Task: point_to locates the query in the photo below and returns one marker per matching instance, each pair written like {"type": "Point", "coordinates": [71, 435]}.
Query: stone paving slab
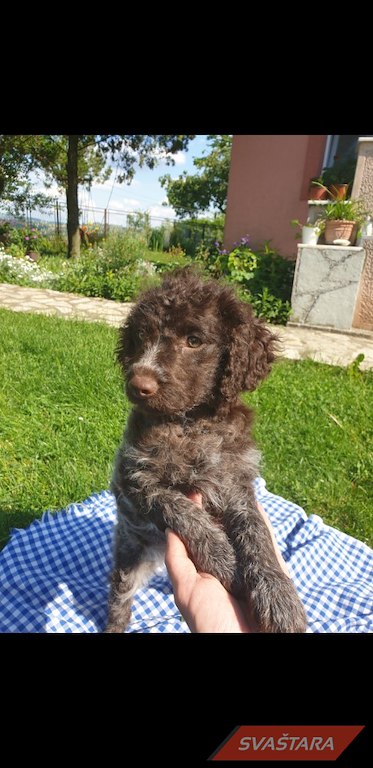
{"type": "Point", "coordinates": [325, 346]}
{"type": "Point", "coordinates": [47, 302]}
{"type": "Point", "coordinates": [296, 342]}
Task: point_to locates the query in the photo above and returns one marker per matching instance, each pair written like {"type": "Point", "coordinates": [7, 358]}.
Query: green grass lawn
{"type": "Point", "coordinates": [63, 411]}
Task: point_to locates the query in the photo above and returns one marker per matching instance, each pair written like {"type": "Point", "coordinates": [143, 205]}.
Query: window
{"type": "Point", "coordinates": [340, 148]}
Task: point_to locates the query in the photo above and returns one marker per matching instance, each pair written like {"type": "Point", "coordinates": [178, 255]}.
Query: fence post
{"type": "Point", "coordinates": [105, 222]}
{"type": "Point", "coordinates": [57, 219]}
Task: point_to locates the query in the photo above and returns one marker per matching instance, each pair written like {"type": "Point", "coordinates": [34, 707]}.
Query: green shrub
{"type": "Point", "coordinates": [113, 272]}
{"type": "Point", "coordinates": [5, 233]}
{"type": "Point", "coordinates": [263, 277]}
{"type": "Point", "coordinates": [190, 234]}
{"type": "Point", "coordinates": [55, 245]}
{"type": "Point", "coordinates": [122, 247]}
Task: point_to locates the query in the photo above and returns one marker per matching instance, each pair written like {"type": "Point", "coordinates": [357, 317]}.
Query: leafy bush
{"type": "Point", "coordinates": [55, 245]}
{"type": "Point", "coordinates": [159, 238]}
{"type": "Point", "coordinates": [263, 277]}
{"type": "Point", "coordinates": [190, 234]}
{"type": "Point", "coordinates": [126, 246]}
{"type": "Point", "coordinates": [95, 275]}
{"type": "Point", "coordinates": [5, 233]}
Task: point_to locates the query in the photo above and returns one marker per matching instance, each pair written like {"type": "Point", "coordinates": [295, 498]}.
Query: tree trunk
{"type": "Point", "coordinates": [73, 233]}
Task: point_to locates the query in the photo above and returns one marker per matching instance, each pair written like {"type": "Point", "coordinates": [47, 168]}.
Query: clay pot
{"type": "Point", "coordinates": [339, 229]}
{"type": "Point", "coordinates": [339, 191]}
{"type": "Point", "coordinates": [317, 193]}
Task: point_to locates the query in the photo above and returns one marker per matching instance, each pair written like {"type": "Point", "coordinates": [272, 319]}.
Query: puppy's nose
{"type": "Point", "coordinates": [143, 386]}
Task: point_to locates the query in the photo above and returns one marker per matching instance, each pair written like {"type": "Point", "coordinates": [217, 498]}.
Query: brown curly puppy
{"type": "Point", "coordinates": [187, 350]}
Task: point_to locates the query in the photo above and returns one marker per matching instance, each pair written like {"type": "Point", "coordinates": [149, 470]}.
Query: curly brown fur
{"type": "Point", "coordinates": [188, 349]}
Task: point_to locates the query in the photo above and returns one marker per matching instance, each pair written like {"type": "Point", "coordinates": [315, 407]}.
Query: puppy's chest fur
{"type": "Point", "coordinates": [200, 455]}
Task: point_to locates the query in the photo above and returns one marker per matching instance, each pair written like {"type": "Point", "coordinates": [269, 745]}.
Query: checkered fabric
{"type": "Point", "coordinates": [54, 575]}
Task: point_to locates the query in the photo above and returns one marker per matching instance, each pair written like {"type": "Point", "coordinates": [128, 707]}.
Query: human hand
{"type": "Point", "coordinates": [203, 601]}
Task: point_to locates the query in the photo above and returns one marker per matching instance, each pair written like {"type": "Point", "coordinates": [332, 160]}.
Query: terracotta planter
{"type": "Point", "coordinates": [317, 193]}
{"type": "Point", "coordinates": [339, 191]}
{"type": "Point", "coordinates": [339, 229]}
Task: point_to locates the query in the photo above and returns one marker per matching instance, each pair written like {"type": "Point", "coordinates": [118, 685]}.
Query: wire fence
{"type": "Point", "coordinates": [55, 217]}
{"type": "Point", "coordinates": [97, 223]}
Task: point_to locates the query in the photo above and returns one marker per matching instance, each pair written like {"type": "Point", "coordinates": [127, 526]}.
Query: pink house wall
{"type": "Point", "coordinates": [268, 187]}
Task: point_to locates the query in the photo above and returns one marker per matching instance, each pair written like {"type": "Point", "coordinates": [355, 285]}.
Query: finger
{"type": "Point", "coordinates": [178, 564]}
{"type": "Point", "coordinates": [274, 542]}
{"type": "Point", "coordinates": [195, 496]}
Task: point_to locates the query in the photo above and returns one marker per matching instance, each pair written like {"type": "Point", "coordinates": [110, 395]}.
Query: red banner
{"type": "Point", "coordinates": [287, 742]}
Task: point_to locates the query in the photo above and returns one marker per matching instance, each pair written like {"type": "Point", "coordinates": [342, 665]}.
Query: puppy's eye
{"type": "Point", "coordinates": [194, 341]}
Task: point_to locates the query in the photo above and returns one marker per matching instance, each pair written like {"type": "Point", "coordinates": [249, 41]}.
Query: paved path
{"type": "Point", "coordinates": [322, 345]}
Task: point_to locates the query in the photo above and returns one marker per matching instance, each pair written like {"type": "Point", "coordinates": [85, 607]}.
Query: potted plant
{"type": "Point", "coordinates": [339, 178]}
{"type": "Point", "coordinates": [318, 189]}
{"type": "Point", "coordinates": [342, 219]}
{"type": "Point", "coordinates": [309, 232]}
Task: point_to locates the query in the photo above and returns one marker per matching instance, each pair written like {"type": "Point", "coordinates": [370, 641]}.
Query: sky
{"type": "Point", "coordinates": [143, 194]}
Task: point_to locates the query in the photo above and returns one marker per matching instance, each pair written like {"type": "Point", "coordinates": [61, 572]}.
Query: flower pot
{"type": "Point", "coordinates": [339, 229]}
{"type": "Point", "coordinates": [339, 191]}
{"type": "Point", "coordinates": [310, 235]}
{"type": "Point", "coordinates": [317, 193]}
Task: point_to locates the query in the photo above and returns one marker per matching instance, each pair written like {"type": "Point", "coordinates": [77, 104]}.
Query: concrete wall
{"type": "Point", "coordinates": [363, 189]}
{"type": "Point", "coordinates": [268, 187]}
{"type": "Point", "coordinates": [326, 285]}
{"type": "Point", "coordinates": [363, 317]}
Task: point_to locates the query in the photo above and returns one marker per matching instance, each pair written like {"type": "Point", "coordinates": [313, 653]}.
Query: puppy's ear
{"type": "Point", "coordinates": [250, 354]}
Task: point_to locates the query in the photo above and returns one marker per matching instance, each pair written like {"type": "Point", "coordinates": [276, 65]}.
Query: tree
{"type": "Point", "coordinates": [70, 160]}
{"type": "Point", "coordinates": [190, 195]}
{"type": "Point", "coordinates": [16, 163]}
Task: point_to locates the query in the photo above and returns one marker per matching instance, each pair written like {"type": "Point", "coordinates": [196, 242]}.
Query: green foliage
{"type": "Point", "coordinates": [342, 172]}
{"type": "Point", "coordinates": [264, 277]}
{"type": "Point", "coordinates": [193, 194]}
{"type": "Point", "coordinates": [271, 308]}
{"type": "Point", "coordinates": [122, 264]}
{"type": "Point", "coordinates": [18, 241]}
{"type": "Point", "coordinates": [96, 274]}
{"type": "Point", "coordinates": [117, 270]}
{"type": "Point", "coordinates": [139, 221]}
{"type": "Point", "coordinates": [348, 210]}
{"type": "Point", "coordinates": [194, 234]}
{"type": "Point", "coordinates": [5, 233]}
{"type": "Point", "coordinates": [54, 245]}
{"type": "Point", "coordinates": [354, 368]}
{"type": "Point", "coordinates": [16, 163]}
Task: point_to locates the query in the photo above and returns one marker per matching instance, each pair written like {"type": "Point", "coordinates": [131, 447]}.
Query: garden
{"type": "Point", "coordinates": [119, 266]}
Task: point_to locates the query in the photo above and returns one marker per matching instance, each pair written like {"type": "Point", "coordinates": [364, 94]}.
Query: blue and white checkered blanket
{"type": "Point", "coordinates": [54, 576]}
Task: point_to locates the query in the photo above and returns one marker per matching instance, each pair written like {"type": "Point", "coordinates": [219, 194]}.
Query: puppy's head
{"type": "Point", "coordinates": [191, 342]}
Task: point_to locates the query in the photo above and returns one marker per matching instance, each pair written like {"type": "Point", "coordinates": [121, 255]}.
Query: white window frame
{"type": "Point", "coordinates": [330, 150]}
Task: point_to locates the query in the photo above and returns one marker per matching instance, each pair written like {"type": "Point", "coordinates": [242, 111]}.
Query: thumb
{"type": "Point", "coordinates": [178, 563]}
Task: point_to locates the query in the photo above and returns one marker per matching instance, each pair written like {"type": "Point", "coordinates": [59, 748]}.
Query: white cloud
{"type": "Point", "coordinates": [163, 212]}
{"type": "Point", "coordinates": [104, 184]}
{"type": "Point", "coordinates": [180, 158]}
{"type": "Point", "coordinates": [125, 203]}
